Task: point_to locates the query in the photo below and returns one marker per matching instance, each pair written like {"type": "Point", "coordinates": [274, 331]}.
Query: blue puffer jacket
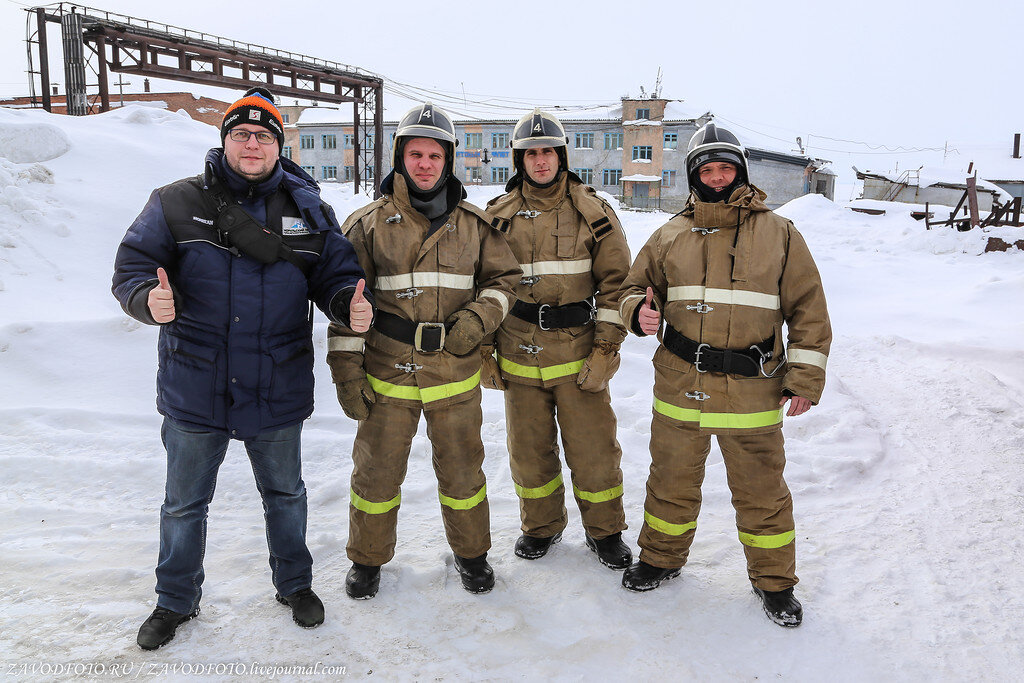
{"type": "Point", "coordinates": [238, 357]}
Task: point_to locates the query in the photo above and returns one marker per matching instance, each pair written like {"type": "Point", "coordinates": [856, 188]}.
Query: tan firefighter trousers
{"type": "Point", "coordinates": [592, 453]}
{"type": "Point", "coordinates": [380, 455]}
{"type": "Point", "coordinates": [763, 504]}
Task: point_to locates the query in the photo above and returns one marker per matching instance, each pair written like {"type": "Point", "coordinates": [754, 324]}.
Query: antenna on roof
{"type": "Point", "coordinates": [657, 86]}
{"type": "Point", "coordinates": [643, 94]}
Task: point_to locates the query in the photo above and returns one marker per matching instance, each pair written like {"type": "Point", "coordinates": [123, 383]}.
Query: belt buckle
{"type": "Point", "coordinates": [418, 337]}
{"type": "Point", "coordinates": [540, 316]}
{"type": "Point", "coordinates": [696, 356]}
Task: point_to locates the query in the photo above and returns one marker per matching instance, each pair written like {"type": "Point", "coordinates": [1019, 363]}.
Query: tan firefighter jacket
{"type": "Point", "coordinates": [729, 274]}
{"type": "Point", "coordinates": [464, 264]}
{"type": "Point", "coordinates": [570, 247]}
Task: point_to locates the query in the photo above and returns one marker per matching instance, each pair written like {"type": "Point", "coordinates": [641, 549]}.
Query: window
{"type": "Point", "coordinates": [286, 152]}
{"type": "Point", "coordinates": [474, 140]}
{"type": "Point", "coordinates": [643, 114]}
{"type": "Point", "coordinates": [641, 152]}
{"type": "Point", "coordinates": [310, 170]}
{"type": "Point", "coordinates": [329, 173]}
{"type": "Point", "coordinates": [611, 176]}
{"type": "Point", "coordinates": [348, 140]}
{"type": "Point", "coordinates": [585, 174]}
{"type": "Point", "coordinates": [369, 141]}
{"type": "Point", "coordinates": [613, 140]}
{"type": "Point", "coordinates": [671, 140]}
{"type": "Point", "coordinates": [668, 178]}
{"type": "Point", "coordinates": [350, 173]}
{"type": "Point", "coordinates": [473, 173]}
{"type": "Point", "coordinates": [329, 141]}
{"type": "Point", "coordinates": [284, 118]}
{"type": "Point", "coordinates": [584, 140]}
{"type": "Point", "coordinates": [499, 140]}
{"type": "Point", "coordinates": [821, 187]}
{"type": "Point", "coordinates": [368, 172]}
{"type": "Point", "coordinates": [499, 174]}
{"type": "Point", "coordinates": [305, 142]}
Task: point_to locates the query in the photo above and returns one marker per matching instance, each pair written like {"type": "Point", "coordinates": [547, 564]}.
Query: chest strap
{"type": "Point", "coordinates": [548, 317]}
{"type": "Point", "coordinates": [706, 358]}
{"type": "Point", "coordinates": [425, 337]}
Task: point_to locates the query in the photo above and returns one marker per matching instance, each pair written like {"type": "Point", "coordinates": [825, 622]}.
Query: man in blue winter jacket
{"type": "Point", "coordinates": [227, 264]}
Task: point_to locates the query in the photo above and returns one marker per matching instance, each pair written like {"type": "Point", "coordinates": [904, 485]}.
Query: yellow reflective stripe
{"type": "Point", "coordinates": [741, 420]}
{"type": "Point", "coordinates": [775, 541]}
{"type": "Point", "coordinates": [609, 316]}
{"type": "Point", "coordinates": [424, 279]}
{"type": "Point", "coordinates": [427, 394]}
{"type": "Point", "coordinates": [344, 344]}
{"type": "Point", "coordinates": [719, 420]}
{"type": "Point", "coordinates": [463, 503]}
{"type": "Point", "coordinates": [533, 372]}
{"type": "Point", "coordinates": [807, 357]}
{"type": "Point", "coordinates": [675, 412]}
{"type": "Point", "coordinates": [540, 491]}
{"type": "Point", "coordinates": [733, 297]}
{"type": "Point", "coordinates": [498, 296]}
{"type": "Point", "coordinates": [599, 496]}
{"type": "Point", "coordinates": [374, 508]}
{"type": "Point", "coordinates": [667, 527]}
{"type": "Point", "coordinates": [557, 267]}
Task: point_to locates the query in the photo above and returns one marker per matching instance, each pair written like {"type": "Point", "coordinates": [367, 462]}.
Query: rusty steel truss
{"type": "Point", "coordinates": [124, 44]}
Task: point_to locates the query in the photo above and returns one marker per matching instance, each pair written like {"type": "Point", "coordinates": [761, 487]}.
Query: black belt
{"type": "Point", "coordinates": [548, 317]}
{"type": "Point", "coordinates": [424, 336]}
{"type": "Point", "coordinates": [707, 358]}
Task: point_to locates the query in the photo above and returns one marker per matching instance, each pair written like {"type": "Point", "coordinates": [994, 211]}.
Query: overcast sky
{"type": "Point", "coordinates": [885, 74]}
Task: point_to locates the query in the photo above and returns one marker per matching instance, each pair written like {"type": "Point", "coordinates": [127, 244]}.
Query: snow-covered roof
{"type": "Point", "coordinates": [324, 115]}
{"type": "Point", "coordinates": [641, 178]}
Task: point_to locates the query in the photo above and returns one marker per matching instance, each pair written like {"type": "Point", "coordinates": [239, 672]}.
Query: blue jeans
{"type": "Point", "coordinates": [193, 457]}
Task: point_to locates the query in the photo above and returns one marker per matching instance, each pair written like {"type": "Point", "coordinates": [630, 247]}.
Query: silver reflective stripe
{"type": "Point", "coordinates": [806, 357]}
{"type": "Point", "coordinates": [735, 297]}
{"type": "Point", "coordinates": [344, 344]}
{"type": "Point", "coordinates": [605, 315]}
{"type": "Point", "coordinates": [498, 296]}
{"type": "Point", "coordinates": [407, 280]}
{"type": "Point", "coordinates": [556, 267]}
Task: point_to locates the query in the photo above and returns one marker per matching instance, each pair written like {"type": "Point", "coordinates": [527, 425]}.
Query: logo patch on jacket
{"type": "Point", "coordinates": [292, 227]}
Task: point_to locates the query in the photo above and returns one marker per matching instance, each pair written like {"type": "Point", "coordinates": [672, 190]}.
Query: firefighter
{"type": "Point", "coordinates": [724, 275]}
{"type": "Point", "coordinates": [559, 347]}
{"type": "Point", "coordinates": [443, 278]}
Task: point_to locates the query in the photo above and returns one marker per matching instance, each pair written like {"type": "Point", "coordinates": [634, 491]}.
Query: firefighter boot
{"type": "Point", "coordinates": [533, 548]}
{"type": "Point", "coordinates": [362, 581]}
{"type": "Point", "coordinates": [476, 574]}
{"type": "Point", "coordinates": [644, 577]}
{"type": "Point", "coordinates": [781, 607]}
{"type": "Point", "coordinates": [611, 551]}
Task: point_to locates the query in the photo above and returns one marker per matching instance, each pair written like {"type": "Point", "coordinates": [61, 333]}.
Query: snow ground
{"type": "Point", "coordinates": [907, 478]}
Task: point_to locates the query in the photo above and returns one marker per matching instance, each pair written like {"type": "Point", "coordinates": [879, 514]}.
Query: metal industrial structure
{"type": "Point", "coordinates": [100, 41]}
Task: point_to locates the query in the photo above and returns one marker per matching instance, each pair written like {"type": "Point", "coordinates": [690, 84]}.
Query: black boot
{"type": "Point", "coordinates": [362, 581]}
{"type": "Point", "coordinates": [532, 548]}
{"type": "Point", "coordinates": [611, 551]}
{"type": "Point", "coordinates": [644, 577]}
{"type": "Point", "coordinates": [781, 607]}
{"type": "Point", "coordinates": [160, 627]}
{"type": "Point", "coordinates": [307, 609]}
{"type": "Point", "coordinates": [477, 576]}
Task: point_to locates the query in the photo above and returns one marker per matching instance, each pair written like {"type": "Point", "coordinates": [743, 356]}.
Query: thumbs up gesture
{"type": "Point", "coordinates": [649, 319]}
{"type": "Point", "coordinates": [161, 299]}
{"type": "Point", "coordinates": [360, 312]}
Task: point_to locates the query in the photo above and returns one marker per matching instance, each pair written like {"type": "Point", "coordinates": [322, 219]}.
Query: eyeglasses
{"type": "Point", "coordinates": [242, 135]}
